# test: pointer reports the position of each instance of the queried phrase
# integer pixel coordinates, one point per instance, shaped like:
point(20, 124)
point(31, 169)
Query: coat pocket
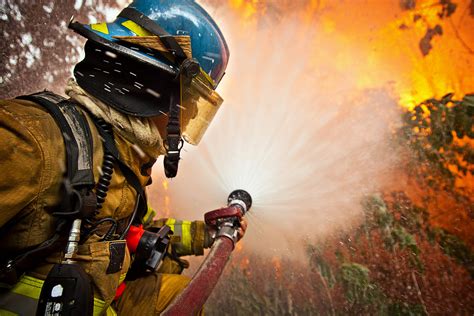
point(106, 262)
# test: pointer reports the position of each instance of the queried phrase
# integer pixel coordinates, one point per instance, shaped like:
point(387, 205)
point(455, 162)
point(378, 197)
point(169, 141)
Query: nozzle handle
point(212, 217)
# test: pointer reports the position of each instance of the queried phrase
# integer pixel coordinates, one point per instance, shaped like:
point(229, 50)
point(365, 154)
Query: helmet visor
point(199, 105)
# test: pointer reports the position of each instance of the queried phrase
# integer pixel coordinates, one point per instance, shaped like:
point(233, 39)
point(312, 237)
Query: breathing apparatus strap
point(77, 140)
point(129, 175)
point(153, 27)
point(79, 201)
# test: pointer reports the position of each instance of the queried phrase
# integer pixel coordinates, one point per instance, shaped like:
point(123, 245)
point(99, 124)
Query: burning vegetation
point(404, 258)
point(411, 252)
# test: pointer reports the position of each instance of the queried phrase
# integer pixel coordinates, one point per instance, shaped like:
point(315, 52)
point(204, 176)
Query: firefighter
point(147, 83)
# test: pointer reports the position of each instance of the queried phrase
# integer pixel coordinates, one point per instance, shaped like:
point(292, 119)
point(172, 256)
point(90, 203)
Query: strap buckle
point(173, 143)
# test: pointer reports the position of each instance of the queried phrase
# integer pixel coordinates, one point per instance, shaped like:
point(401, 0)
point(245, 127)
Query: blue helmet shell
point(180, 17)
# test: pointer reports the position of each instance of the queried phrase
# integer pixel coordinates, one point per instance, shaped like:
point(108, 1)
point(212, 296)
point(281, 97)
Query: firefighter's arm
point(21, 167)
point(189, 237)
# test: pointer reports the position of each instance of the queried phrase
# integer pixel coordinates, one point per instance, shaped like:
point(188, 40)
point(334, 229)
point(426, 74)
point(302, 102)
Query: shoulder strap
point(78, 143)
point(76, 134)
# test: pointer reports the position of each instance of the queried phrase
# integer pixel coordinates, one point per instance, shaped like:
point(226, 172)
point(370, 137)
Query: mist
point(295, 131)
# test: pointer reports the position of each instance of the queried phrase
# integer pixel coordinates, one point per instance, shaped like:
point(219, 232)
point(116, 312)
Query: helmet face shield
point(199, 105)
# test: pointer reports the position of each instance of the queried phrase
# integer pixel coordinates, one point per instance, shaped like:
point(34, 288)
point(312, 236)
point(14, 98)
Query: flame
point(382, 45)
point(375, 43)
point(382, 42)
point(276, 261)
point(239, 247)
point(166, 199)
point(247, 8)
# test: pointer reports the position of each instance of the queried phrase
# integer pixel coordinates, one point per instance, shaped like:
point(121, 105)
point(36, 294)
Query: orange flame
point(247, 8)
point(166, 198)
point(379, 46)
point(277, 266)
point(382, 42)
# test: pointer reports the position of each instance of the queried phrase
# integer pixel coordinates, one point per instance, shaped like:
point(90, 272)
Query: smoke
point(295, 131)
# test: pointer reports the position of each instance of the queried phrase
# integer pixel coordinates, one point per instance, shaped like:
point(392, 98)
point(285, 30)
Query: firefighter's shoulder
point(31, 154)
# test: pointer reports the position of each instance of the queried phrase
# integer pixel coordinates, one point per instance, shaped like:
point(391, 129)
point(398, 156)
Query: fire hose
point(226, 220)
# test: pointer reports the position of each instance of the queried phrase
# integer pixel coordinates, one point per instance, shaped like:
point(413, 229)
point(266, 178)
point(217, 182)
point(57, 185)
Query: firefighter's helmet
point(155, 55)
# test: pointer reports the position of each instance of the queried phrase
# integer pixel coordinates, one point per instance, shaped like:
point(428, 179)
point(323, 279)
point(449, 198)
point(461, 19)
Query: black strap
point(153, 27)
point(77, 136)
point(129, 175)
point(76, 203)
point(174, 143)
point(12, 270)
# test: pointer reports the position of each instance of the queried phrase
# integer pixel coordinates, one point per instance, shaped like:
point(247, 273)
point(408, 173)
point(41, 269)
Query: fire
point(166, 198)
point(386, 44)
point(276, 261)
point(374, 44)
point(382, 42)
point(248, 8)
point(238, 247)
point(464, 181)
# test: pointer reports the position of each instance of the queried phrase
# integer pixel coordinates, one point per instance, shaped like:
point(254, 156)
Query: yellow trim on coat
point(29, 286)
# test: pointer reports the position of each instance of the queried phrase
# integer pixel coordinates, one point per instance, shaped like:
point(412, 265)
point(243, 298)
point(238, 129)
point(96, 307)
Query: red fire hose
point(192, 299)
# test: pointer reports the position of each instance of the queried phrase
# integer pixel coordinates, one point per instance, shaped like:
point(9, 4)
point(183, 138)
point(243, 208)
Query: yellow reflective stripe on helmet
point(170, 222)
point(150, 214)
point(186, 235)
point(135, 28)
point(100, 27)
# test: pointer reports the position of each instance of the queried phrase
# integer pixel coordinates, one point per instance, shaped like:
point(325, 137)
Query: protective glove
point(212, 231)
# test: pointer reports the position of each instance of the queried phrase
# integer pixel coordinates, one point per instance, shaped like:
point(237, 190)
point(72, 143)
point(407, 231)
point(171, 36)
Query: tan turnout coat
point(32, 156)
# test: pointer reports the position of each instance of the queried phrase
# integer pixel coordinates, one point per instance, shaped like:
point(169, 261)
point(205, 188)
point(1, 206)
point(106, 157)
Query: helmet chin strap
point(174, 142)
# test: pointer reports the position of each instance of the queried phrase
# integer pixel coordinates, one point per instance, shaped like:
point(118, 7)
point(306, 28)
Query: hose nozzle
point(240, 198)
point(238, 203)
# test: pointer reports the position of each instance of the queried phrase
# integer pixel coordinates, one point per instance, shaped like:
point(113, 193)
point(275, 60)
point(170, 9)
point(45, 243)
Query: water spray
point(226, 221)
